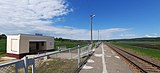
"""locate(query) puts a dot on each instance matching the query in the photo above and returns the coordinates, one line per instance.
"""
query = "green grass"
(2, 45)
(2, 54)
(55, 65)
(140, 42)
(153, 53)
(143, 44)
(58, 66)
(69, 44)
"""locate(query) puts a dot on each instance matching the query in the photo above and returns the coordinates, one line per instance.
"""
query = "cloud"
(37, 16)
(84, 34)
(154, 35)
(24, 16)
(80, 34)
(127, 35)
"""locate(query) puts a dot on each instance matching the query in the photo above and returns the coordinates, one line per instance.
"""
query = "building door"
(37, 46)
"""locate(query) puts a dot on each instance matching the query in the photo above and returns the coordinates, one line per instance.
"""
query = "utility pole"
(98, 35)
(91, 17)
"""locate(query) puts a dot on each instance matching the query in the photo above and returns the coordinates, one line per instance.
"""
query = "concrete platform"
(105, 60)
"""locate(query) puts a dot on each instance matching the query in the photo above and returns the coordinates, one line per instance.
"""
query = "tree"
(3, 36)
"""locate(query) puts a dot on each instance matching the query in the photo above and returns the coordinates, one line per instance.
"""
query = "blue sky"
(142, 17)
(115, 19)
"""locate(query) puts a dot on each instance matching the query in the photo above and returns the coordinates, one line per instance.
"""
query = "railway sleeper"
(152, 71)
(139, 62)
(154, 68)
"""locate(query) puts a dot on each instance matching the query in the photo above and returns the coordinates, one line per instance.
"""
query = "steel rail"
(145, 61)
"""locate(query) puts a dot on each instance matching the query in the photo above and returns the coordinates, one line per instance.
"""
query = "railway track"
(143, 65)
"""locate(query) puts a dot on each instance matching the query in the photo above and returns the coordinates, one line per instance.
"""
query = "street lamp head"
(93, 15)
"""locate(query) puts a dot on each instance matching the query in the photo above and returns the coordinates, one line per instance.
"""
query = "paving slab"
(96, 65)
(105, 60)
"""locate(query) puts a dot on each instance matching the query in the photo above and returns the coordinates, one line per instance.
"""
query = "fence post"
(70, 53)
(46, 57)
(58, 49)
(16, 71)
(78, 56)
(89, 49)
(25, 64)
(56, 55)
(33, 66)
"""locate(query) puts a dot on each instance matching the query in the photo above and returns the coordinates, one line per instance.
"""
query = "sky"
(70, 19)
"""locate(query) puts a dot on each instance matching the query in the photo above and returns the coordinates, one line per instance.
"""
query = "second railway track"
(143, 65)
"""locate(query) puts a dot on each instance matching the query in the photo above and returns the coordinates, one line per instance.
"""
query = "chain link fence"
(70, 58)
(8, 69)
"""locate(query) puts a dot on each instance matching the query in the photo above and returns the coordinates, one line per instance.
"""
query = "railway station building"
(23, 44)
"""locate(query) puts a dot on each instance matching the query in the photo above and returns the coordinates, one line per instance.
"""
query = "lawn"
(143, 44)
(55, 65)
(58, 66)
(70, 44)
(153, 53)
(2, 47)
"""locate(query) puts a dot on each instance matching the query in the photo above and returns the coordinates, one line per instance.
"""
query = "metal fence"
(33, 62)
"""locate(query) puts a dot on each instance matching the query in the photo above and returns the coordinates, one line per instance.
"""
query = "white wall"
(13, 44)
(21, 43)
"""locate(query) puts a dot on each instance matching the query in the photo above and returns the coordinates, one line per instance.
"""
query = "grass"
(143, 44)
(57, 66)
(2, 54)
(69, 44)
(2, 47)
(153, 53)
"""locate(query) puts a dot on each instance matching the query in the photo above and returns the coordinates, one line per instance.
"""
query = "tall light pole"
(98, 35)
(91, 17)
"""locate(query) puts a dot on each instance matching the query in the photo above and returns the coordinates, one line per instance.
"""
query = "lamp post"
(98, 35)
(91, 17)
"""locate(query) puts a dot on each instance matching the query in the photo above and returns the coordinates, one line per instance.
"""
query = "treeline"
(3, 36)
(69, 43)
(62, 39)
(139, 39)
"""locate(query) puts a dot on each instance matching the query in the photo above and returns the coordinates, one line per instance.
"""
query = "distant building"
(20, 45)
